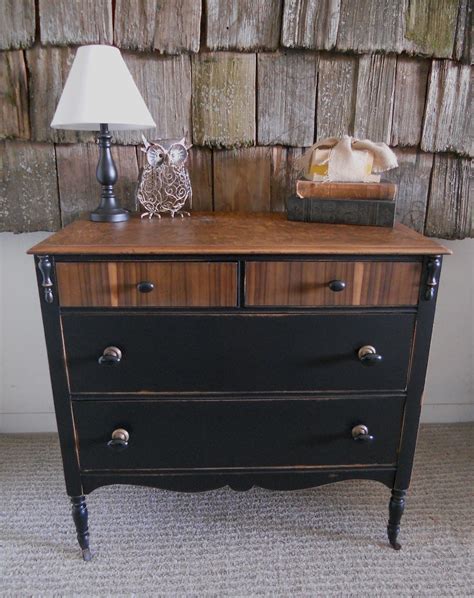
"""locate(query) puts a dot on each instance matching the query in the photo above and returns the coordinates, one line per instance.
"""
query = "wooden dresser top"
(233, 233)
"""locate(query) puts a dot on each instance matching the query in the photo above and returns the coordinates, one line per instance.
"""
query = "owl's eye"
(178, 154)
(155, 156)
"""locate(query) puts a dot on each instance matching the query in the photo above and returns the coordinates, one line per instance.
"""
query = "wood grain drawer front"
(236, 353)
(307, 283)
(175, 284)
(235, 433)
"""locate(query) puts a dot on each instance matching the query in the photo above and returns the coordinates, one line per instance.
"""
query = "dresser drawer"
(227, 353)
(232, 434)
(173, 284)
(315, 283)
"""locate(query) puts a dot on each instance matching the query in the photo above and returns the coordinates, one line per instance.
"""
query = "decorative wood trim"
(433, 268)
(45, 266)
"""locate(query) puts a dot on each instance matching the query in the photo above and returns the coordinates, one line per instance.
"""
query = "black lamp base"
(107, 215)
(109, 209)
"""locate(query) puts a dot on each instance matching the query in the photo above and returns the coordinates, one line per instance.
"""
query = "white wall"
(25, 395)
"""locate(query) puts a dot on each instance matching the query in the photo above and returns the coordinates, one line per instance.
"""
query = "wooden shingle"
(28, 189)
(200, 172)
(63, 22)
(79, 190)
(242, 180)
(169, 26)
(409, 101)
(165, 84)
(368, 25)
(48, 69)
(286, 98)
(134, 24)
(309, 24)
(375, 93)
(413, 179)
(450, 208)
(283, 175)
(17, 23)
(337, 87)
(244, 25)
(463, 45)
(430, 27)
(14, 120)
(448, 124)
(223, 99)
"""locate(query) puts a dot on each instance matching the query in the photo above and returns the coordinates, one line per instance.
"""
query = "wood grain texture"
(17, 23)
(413, 177)
(169, 26)
(177, 284)
(284, 172)
(463, 46)
(28, 188)
(375, 94)
(242, 180)
(48, 69)
(430, 27)
(448, 124)
(305, 284)
(309, 24)
(244, 25)
(409, 100)
(450, 210)
(134, 24)
(78, 187)
(178, 26)
(165, 84)
(286, 97)
(200, 172)
(233, 233)
(63, 22)
(14, 119)
(368, 25)
(337, 88)
(223, 102)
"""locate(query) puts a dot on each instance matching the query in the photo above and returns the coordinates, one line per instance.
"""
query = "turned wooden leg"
(79, 514)
(395, 508)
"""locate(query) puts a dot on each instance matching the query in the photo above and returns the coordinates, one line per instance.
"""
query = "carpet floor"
(328, 541)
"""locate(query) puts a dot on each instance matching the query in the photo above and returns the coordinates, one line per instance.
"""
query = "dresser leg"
(79, 514)
(395, 508)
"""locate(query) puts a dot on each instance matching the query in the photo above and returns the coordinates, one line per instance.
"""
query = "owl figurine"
(164, 184)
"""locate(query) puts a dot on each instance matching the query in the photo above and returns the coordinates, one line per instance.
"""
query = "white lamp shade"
(100, 89)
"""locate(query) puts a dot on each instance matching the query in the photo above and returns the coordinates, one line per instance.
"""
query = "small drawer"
(332, 283)
(147, 284)
(230, 434)
(222, 352)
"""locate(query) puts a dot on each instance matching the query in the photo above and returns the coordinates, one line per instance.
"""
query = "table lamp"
(100, 94)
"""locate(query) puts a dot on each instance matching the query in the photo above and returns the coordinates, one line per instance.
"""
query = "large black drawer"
(236, 353)
(166, 434)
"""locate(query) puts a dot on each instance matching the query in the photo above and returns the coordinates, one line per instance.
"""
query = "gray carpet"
(328, 541)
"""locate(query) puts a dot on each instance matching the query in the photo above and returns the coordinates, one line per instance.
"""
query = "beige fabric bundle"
(346, 160)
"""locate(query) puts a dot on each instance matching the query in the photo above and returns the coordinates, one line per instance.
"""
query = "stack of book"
(370, 204)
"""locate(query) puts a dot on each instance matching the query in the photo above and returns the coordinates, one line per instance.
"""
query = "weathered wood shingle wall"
(252, 82)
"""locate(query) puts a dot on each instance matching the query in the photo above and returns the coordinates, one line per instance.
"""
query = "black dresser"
(236, 349)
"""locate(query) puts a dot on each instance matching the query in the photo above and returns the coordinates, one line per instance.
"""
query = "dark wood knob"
(145, 286)
(337, 285)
